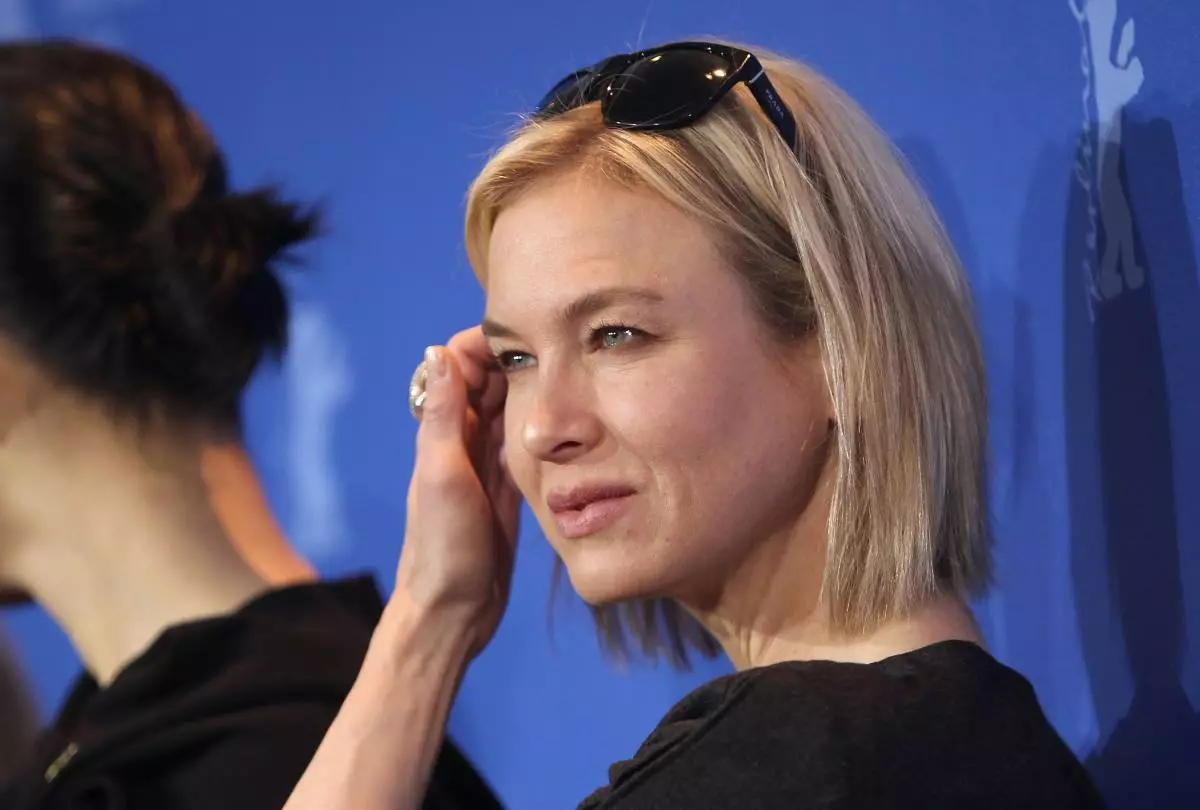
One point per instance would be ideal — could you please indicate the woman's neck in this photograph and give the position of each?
(774, 633)
(118, 542)
(237, 496)
(770, 609)
(943, 618)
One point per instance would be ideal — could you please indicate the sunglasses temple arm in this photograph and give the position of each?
(768, 98)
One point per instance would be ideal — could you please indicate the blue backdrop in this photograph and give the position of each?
(1060, 139)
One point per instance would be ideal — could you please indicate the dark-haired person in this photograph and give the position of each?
(242, 507)
(137, 296)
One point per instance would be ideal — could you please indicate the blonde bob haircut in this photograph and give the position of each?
(834, 240)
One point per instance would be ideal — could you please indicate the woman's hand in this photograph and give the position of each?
(463, 508)
(451, 590)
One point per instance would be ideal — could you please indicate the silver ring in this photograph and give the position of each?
(416, 391)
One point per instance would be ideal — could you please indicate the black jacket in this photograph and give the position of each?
(946, 727)
(221, 714)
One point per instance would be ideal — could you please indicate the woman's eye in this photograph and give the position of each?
(513, 361)
(610, 337)
(603, 337)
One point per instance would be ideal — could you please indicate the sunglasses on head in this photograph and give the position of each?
(668, 87)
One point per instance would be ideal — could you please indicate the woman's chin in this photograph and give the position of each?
(602, 588)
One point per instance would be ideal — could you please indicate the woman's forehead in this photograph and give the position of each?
(568, 242)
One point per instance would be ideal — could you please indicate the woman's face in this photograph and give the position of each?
(657, 432)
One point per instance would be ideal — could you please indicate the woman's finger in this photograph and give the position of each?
(445, 417)
(486, 384)
(470, 348)
(489, 400)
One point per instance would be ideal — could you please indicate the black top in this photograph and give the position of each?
(944, 727)
(221, 714)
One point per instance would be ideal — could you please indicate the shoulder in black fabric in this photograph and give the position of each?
(945, 726)
(279, 667)
(686, 719)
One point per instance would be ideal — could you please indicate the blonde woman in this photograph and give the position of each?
(730, 361)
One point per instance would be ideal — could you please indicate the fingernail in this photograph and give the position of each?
(435, 363)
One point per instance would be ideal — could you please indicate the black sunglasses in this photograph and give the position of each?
(668, 87)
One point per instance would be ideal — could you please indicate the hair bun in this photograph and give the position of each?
(178, 312)
(128, 269)
(233, 237)
(229, 246)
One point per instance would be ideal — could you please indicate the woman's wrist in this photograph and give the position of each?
(415, 640)
(381, 749)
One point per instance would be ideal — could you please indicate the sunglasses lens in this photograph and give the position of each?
(569, 93)
(664, 89)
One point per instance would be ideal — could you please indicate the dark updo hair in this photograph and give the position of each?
(128, 269)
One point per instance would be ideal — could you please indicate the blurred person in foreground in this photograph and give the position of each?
(138, 293)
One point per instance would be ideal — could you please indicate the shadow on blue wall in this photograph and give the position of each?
(1131, 382)
(1133, 394)
(1008, 344)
